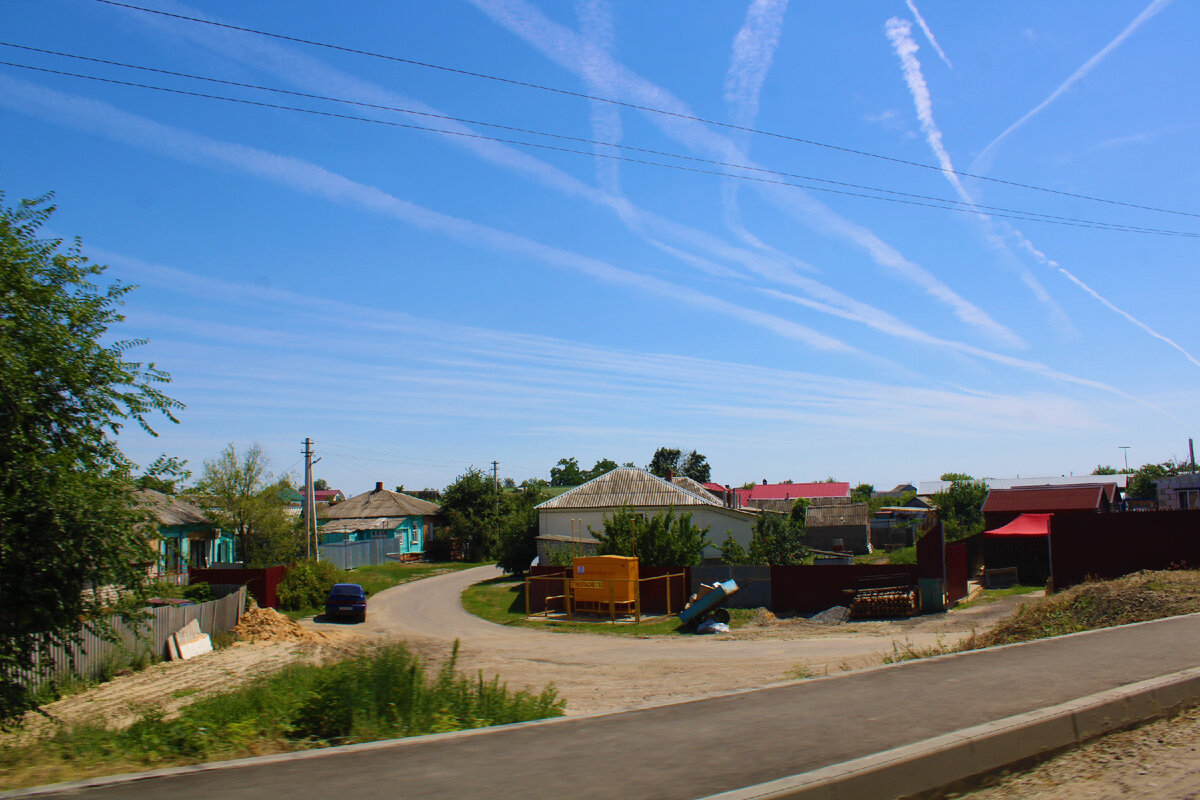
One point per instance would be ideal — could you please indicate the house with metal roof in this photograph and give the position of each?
(769, 495)
(380, 514)
(1002, 506)
(183, 536)
(566, 522)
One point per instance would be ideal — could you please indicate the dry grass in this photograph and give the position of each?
(1140, 597)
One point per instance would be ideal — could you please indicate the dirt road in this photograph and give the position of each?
(607, 673)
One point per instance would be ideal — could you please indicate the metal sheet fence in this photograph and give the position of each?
(93, 655)
(348, 555)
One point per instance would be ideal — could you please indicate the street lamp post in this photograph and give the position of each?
(1125, 449)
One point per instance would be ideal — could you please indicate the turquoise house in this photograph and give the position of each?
(182, 537)
(380, 514)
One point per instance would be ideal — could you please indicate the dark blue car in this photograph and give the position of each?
(346, 600)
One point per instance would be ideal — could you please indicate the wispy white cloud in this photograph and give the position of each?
(984, 161)
(933, 42)
(899, 34)
(753, 53)
(564, 46)
(106, 120)
(1042, 258)
(540, 383)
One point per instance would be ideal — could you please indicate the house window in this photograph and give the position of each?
(1189, 498)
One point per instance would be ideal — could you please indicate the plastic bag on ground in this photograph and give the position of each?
(712, 626)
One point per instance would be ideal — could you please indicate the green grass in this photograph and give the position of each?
(381, 693)
(992, 595)
(384, 576)
(502, 600)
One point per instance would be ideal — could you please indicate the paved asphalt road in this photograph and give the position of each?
(697, 748)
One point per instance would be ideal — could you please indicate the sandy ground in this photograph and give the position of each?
(612, 673)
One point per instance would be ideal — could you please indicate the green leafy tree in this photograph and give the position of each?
(862, 493)
(469, 506)
(960, 507)
(778, 541)
(955, 476)
(320, 485)
(68, 518)
(1141, 484)
(240, 497)
(165, 474)
(1104, 470)
(662, 540)
(671, 460)
(517, 543)
(567, 473)
(732, 552)
(602, 467)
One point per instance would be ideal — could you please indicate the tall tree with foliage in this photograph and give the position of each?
(165, 474)
(567, 473)
(68, 518)
(517, 543)
(779, 540)
(469, 506)
(662, 540)
(960, 507)
(602, 467)
(1141, 484)
(240, 497)
(672, 460)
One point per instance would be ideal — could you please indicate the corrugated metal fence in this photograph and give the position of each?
(150, 635)
(348, 555)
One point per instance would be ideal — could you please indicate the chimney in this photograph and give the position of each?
(728, 497)
(764, 481)
(670, 475)
(379, 486)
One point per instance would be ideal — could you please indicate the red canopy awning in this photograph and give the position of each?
(1024, 525)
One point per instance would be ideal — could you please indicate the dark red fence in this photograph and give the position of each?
(809, 589)
(957, 571)
(262, 583)
(1116, 544)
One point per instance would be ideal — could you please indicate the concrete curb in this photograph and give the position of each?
(983, 749)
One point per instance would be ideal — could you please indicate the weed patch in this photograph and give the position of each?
(383, 692)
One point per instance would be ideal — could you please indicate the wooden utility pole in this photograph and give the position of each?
(310, 504)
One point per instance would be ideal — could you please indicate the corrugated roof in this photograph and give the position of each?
(361, 524)
(1047, 499)
(792, 491)
(379, 503)
(828, 516)
(169, 510)
(926, 488)
(628, 486)
(695, 487)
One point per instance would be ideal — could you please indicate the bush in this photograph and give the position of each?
(663, 540)
(307, 584)
(200, 592)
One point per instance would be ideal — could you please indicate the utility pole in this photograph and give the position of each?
(496, 493)
(1125, 448)
(310, 504)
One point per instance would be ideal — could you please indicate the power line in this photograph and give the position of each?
(943, 204)
(638, 107)
(956, 204)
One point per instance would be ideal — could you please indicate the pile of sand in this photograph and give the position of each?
(268, 625)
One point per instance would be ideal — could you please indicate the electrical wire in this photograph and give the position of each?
(638, 107)
(936, 203)
(962, 205)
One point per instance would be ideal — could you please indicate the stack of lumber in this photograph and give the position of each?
(882, 603)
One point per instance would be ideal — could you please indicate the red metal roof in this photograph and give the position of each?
(792, 491)
(1046, 499)
(1024, 525)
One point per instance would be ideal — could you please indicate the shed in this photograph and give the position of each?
(849, 524)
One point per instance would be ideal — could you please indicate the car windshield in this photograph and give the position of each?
(346, 590)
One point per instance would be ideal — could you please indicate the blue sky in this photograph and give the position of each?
(418, 302)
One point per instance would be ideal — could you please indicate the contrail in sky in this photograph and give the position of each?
(984, 162)
(928, 33)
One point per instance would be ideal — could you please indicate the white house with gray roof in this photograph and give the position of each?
(566, 521)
